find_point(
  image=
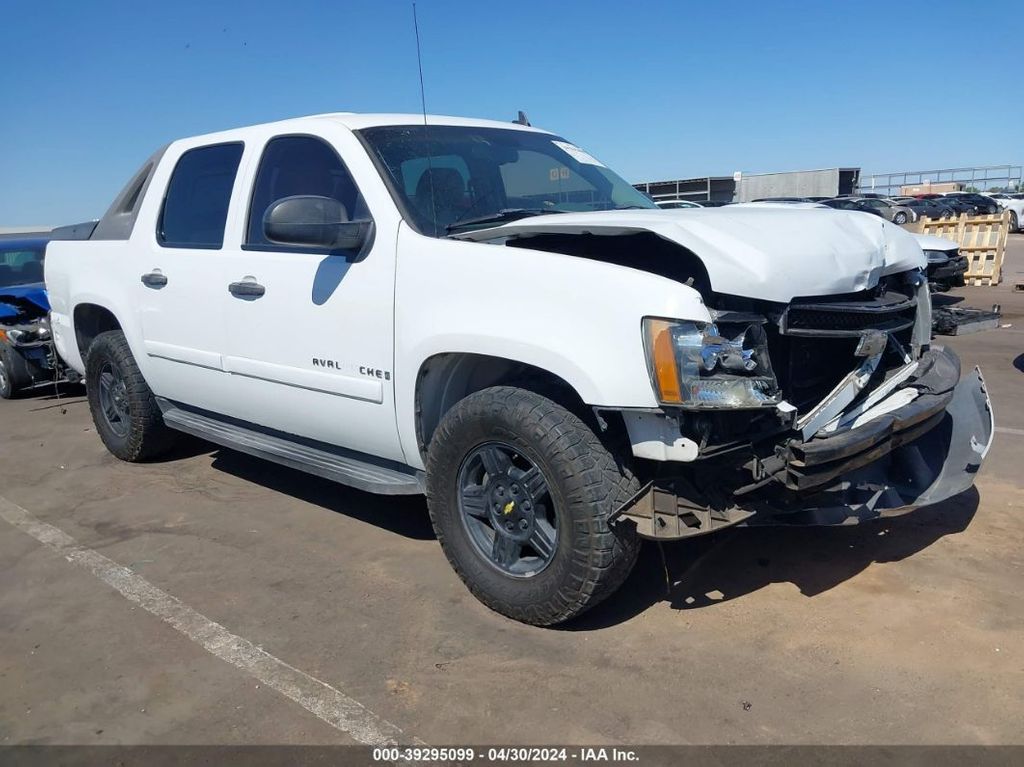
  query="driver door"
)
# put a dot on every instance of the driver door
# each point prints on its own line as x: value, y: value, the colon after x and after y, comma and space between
x: 310, y: 340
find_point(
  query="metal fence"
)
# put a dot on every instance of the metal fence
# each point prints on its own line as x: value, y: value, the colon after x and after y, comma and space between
x: 982, y: 178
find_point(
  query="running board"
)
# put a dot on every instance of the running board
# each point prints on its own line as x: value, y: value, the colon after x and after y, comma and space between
x: 339, y: 465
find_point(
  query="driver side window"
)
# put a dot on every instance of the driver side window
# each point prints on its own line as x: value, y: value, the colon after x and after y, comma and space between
x: 300, y: 165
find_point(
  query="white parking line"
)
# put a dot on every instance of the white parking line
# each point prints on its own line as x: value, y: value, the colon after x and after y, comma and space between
x: 319, y: 698
x: 1005, y: 430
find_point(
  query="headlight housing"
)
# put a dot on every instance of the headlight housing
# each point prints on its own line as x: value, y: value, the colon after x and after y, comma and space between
x: 25, y: 335
x: 709, y: 365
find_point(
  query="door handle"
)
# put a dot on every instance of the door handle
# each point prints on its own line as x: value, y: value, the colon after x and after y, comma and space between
x: 248, y: 289
x: 154, y: 279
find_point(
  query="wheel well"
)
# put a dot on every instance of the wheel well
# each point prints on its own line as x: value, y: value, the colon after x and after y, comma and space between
x: 445, y: 379
x: 91, y: 320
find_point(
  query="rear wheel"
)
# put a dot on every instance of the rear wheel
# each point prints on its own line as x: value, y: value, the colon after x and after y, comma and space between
x: 900, y: 218
x: 520, y: 490
x: 124, y: 409
x: 1014, y: 223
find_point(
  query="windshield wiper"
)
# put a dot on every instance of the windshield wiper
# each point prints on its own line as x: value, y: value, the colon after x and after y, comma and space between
x: 500, y: 217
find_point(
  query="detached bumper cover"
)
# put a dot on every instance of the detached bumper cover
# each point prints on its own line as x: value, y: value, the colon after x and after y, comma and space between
x: 935, y: 456
x: 919, y: 454
x: 815, y: 462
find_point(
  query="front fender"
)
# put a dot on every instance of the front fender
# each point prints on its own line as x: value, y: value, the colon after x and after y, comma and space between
x: 576, y: 318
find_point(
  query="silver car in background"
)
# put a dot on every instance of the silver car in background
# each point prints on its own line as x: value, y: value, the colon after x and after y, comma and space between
x: 889, y: 209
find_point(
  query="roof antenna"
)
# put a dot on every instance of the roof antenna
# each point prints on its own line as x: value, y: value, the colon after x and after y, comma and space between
x: 423, y: 104
x: 522, y: 119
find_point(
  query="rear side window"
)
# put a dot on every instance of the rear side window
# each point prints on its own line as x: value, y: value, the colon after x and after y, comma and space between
x: 196, y: 205
x: 20, y: 267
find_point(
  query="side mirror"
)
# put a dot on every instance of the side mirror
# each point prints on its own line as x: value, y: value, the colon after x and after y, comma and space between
x: 313, y: 221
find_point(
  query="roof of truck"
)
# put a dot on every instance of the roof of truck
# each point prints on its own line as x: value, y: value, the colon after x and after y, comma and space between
x: 357, y: 121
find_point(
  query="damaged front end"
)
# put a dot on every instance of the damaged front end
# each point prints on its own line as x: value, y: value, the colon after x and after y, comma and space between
x: 825, y: 410
x: 26, y: 344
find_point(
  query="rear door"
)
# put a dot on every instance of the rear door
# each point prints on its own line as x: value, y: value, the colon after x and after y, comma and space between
x: 178, y: 277
x: 310, y: 345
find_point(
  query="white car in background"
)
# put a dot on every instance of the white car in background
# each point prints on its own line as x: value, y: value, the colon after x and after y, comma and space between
x: 946, y: 265
x: 1016, y: 207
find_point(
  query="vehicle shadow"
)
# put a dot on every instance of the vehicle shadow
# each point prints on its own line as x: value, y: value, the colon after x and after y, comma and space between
x: 944, y: 299
x: 50, y: 395
x: 402, y: 514
x: 692, y: 574
x: 1018, y: 362
x: 706, y: 571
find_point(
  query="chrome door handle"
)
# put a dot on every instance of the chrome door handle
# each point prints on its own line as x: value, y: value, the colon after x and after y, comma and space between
x: 154, y: 279
x: 246, y: 289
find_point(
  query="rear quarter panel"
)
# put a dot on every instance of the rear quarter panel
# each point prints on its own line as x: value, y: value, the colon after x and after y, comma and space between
x: 82, y: 272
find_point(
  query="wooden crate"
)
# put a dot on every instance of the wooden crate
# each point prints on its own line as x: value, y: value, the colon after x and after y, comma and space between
x: 981, y: 238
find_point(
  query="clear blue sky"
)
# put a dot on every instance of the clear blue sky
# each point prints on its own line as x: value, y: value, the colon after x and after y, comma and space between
x: 657, y: 89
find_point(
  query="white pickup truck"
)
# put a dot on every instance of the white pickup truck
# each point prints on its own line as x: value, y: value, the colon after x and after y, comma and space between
x: 483, y: 312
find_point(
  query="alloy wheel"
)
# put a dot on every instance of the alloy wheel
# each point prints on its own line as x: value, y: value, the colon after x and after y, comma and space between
x: 114, y: 399
x: 507, y: 509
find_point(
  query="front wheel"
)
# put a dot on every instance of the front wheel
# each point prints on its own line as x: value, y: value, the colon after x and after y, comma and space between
x: 124, y: 409
x: 1014, y: 223
x: 520, y: 491
x: 6, y: 384
x: 13, y: 374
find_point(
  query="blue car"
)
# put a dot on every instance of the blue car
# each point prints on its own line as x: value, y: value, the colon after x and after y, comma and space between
x: 27, y: 356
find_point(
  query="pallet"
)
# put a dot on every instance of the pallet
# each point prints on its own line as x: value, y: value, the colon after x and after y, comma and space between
x: 982, y: 239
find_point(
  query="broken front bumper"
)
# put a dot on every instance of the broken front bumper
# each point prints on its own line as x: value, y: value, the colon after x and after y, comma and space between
x: 921, y: 453
x: 806, y: 465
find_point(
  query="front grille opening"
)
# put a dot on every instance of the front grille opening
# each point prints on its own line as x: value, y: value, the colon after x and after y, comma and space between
x: 891, y: 311
x: 812, y: 340
x: 809, y: 368
x: 813, y: 344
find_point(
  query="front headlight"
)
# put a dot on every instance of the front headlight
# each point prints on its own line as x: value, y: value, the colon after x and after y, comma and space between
x: 26, y: 334
x: 704, y: 365
x: 936, y: 256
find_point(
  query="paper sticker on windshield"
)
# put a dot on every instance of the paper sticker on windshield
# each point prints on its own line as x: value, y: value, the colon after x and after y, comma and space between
x: 578, y: 154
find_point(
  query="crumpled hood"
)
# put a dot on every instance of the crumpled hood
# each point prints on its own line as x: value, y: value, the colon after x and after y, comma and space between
x: 773, y: 254
x: 24, y: 300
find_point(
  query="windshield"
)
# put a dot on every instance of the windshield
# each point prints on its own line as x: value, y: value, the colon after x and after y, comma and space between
x: 441, y: 175
x: 20, y: 267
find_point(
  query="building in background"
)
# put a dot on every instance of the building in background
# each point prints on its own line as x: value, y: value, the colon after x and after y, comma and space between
x: 829, y: 182
x: 721, y: 188
x: 21, y: 232
x: 739, y: 187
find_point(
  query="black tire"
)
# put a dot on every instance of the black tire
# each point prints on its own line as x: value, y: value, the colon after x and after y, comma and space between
x: 1014, y: 223
x: 589, y: 559
x: 130, y: 425
x: 900, y: 218
x: 12, y: 374
x: 7, y: 390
